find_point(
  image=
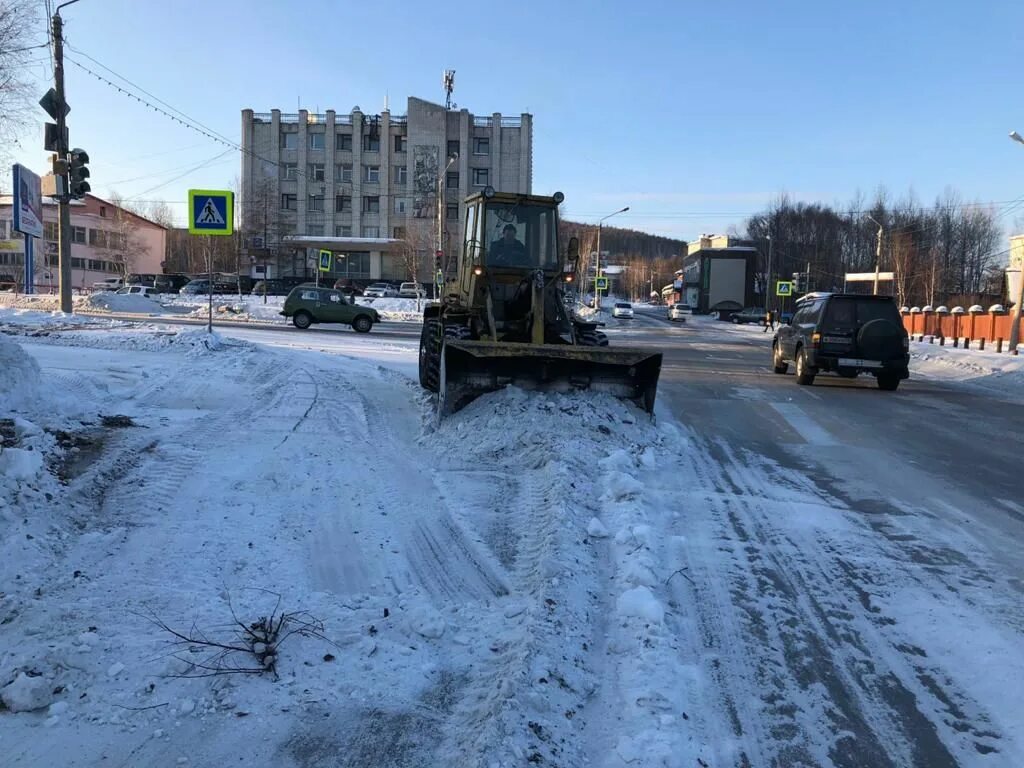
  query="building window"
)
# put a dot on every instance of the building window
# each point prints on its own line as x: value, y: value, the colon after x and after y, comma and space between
x: 316, y: 141
x: 343, y: 230
x: 289, y: 202
x: 371, y: 232
x: 401, y: 205
x: 98, y: 238
x: 316, y: 203
x: 371, y: 143
x: 95, y: 265
x: 3, y: 229
x: 452, y: 180
x: 343, y: 172
x: 342, y: 203
x: 315, y: 229
x: 398, y: 233
x: 400, y: 174
x: 371, y: 204
x: 481, y: 145
x: 481, y: 177
x: 371, y: 173
x: 289, y: 141
x: 50, y: 230
x: 78, y: 235
x: 399, y: 143
x: 290, y: 171
x: 316, y: 172
x: 452, y: 212
x: 453, y: 148
x: 77, y: 263
x: 344, y: 142
x: 103, y: 211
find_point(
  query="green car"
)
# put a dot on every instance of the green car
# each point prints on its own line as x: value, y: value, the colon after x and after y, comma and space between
x: 308, y: 304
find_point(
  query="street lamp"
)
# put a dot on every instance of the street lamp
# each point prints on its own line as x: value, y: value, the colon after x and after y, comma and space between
x: 878, y: 251
x: 597, y: 263
x: 441, y: 207
x: 1015, y: 322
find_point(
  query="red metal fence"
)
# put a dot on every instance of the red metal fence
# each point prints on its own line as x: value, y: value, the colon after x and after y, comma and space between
x: 976, y: 326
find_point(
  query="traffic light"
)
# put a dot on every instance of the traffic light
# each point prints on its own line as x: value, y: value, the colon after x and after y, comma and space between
x: 79, y: 172
x: 799, y: 286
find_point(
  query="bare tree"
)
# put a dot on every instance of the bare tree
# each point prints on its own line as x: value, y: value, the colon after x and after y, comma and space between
x: 19, y: 43
x: 123, y: 240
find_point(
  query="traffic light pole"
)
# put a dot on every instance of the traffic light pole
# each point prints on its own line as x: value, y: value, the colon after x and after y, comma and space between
x: 64, y: 200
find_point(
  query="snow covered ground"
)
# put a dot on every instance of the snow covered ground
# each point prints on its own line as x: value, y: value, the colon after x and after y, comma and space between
x: 540, y: 579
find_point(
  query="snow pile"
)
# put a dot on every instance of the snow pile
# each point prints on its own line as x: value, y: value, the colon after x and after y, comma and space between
x: 19, y: 376
x: 396, y: 310
x: 32, y: 319
x: 123, y: 302
x: 1002, y: 372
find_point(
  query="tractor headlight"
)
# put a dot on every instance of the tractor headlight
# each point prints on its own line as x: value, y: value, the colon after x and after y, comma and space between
x: 478, y: 270
x: 558, y: 197
x: 568, y: 277
x: 488, y: 191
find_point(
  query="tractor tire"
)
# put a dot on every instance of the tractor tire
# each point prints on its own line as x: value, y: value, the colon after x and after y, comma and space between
x: 592, y: 339
x: 430, y: 355
x: 804, y: 373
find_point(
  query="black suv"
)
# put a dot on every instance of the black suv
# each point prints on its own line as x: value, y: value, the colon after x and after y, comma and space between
x: 845, y: 334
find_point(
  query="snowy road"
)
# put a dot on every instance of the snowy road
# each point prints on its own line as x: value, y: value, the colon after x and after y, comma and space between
x: 769, y: 575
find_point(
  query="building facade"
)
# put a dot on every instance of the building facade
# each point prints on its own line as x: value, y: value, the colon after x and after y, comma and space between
x: 372, y: 177
x: 106, y: 241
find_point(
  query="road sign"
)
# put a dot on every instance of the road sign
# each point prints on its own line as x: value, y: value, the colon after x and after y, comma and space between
x: 325, y: 261
x: 868, y: 277
x: 211, y: 212
x: 601, y: 283
x: 783, y: 288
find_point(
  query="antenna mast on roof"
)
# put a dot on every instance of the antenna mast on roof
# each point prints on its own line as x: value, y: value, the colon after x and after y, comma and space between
x: 449, y: 85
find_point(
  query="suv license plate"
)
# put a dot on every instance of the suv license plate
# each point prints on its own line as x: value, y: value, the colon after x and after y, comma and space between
x: 849, y: 362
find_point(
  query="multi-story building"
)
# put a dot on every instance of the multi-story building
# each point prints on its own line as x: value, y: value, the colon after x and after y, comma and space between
x: 106, y: 241
x: 367, y: 185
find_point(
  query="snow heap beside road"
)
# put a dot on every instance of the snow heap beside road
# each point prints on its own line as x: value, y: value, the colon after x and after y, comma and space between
x: 123, y: 302
x: 1002, y: 372
x: 570, y: 468
x: 19, y: 376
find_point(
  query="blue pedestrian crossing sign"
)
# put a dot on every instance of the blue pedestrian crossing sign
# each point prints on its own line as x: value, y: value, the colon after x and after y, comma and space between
x: 211, y: 212
x: 783, y: 288
x: 601, y: 283
x: 325, y: 261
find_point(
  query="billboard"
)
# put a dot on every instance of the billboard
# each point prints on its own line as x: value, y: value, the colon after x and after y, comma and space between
x: 28, y: 202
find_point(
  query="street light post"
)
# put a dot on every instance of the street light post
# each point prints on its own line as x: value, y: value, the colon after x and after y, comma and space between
x: 597, y: 263
x: 1019, y: 298
x: 878, y: 252
x: 441, y: 208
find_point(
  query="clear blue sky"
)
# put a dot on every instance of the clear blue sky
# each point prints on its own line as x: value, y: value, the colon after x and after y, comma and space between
x: 692, y: 113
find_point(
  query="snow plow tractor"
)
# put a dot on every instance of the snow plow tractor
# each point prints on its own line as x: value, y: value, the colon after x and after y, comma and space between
x: 503, y: 320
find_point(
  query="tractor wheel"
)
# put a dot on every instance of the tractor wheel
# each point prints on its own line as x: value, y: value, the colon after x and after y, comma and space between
x: 592, y: 339
x: 430, y: 355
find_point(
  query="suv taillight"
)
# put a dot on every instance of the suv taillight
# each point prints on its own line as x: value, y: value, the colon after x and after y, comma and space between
x: 815, y: 340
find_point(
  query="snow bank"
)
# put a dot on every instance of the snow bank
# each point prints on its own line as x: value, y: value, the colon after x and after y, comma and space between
x: 19, y: 376
x: 1002, y: 372
x: 641, y: 603
x: 396, y: 310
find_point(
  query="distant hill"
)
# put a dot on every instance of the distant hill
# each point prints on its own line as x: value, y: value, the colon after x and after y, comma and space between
x: 624, y: 244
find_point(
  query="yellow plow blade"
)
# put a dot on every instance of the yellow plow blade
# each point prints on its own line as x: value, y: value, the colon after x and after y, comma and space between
x: 471, y: 368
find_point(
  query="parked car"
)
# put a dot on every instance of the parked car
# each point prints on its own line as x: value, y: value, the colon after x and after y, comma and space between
x: 381, y: 291
x: 138, y: 290
x: 411, y: 291
x: 749, y: 315
x: 108, y: 284
x: 622, y: 310
x: 201, y: 286
x: 844, y: 334
x: 8, y: 283
x: 308, y: 304
x: 679, y: 312
x: 170, y: 283
x: 276, y: 286
x: 349, y: 287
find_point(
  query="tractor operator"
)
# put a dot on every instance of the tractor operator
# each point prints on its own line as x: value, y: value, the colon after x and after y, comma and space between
x: 508, y: 250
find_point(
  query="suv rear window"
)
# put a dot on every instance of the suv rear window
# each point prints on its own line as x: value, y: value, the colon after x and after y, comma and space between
x: 853, y: 313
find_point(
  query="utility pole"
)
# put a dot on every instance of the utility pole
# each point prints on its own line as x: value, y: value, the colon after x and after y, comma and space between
x: 597, y: 265
x: 878, y: 255
x: 64, y: 200
x: 768, y: 288
x: 1015, y: 318
x: 440, y: 221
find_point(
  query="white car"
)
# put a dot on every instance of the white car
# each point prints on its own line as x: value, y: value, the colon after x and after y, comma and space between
x: 679, y: 312
x: 410, y: 291
x: 380, y: 291
x: 622, y: 310
x: 138, y: 290
x: 108, y: 284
